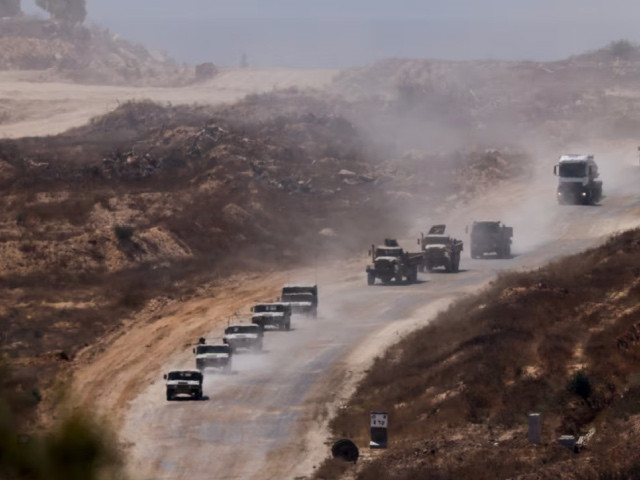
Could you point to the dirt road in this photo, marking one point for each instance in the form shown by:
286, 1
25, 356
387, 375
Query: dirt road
267, 420
35, 108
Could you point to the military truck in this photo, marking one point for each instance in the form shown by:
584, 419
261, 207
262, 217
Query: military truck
440, 250
490, 237
243, 336
391, 262
213, 356
276, 315
184, 382
577, 182
302, 298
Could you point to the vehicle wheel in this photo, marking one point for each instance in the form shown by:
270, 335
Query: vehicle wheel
455, 267
507, 251
288, 326
198, 395
169, 396
371, 279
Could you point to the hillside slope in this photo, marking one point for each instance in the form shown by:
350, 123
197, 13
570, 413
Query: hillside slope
561, 341
157, 201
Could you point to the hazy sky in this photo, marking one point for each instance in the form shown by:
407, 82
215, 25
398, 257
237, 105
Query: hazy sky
339, 33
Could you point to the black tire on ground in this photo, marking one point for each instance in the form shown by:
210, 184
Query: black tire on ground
346, 450
169, 396
371, 279
198, 395
456, 264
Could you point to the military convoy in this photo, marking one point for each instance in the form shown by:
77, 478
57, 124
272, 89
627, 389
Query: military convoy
302, 299
490, 237
577, 182
184, 382
440, 250
391, 262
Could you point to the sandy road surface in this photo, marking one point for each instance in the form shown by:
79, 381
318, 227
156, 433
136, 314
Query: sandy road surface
50, 108
267, 420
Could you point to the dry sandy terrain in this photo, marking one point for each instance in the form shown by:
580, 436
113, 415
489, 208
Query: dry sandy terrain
268, 419
35, 108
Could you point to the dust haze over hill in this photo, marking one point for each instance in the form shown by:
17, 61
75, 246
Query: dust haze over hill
329, 34
154, 203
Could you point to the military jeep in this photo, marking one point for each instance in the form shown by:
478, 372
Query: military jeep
184, 382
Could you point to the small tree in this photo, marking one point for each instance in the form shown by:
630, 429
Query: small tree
68, 11
621, 48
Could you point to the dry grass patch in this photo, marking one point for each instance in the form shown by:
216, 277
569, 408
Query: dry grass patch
561, 340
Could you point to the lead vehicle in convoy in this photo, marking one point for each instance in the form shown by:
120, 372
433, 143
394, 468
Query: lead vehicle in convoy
391, 262
577, 182
184, 382
213, 356
302, 298
440, 250
490, 237
276, 315
243, 336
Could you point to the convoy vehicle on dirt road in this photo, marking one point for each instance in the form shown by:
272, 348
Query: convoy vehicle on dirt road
213, 356
303, 299
276, 315
184, 382
440, 250
490, 237
243, 336
391, 262
577, 182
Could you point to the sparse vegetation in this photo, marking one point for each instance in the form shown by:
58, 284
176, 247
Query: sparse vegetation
621, 48
475, 373
123, 232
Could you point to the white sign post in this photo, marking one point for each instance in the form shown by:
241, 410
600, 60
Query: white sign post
379, 424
